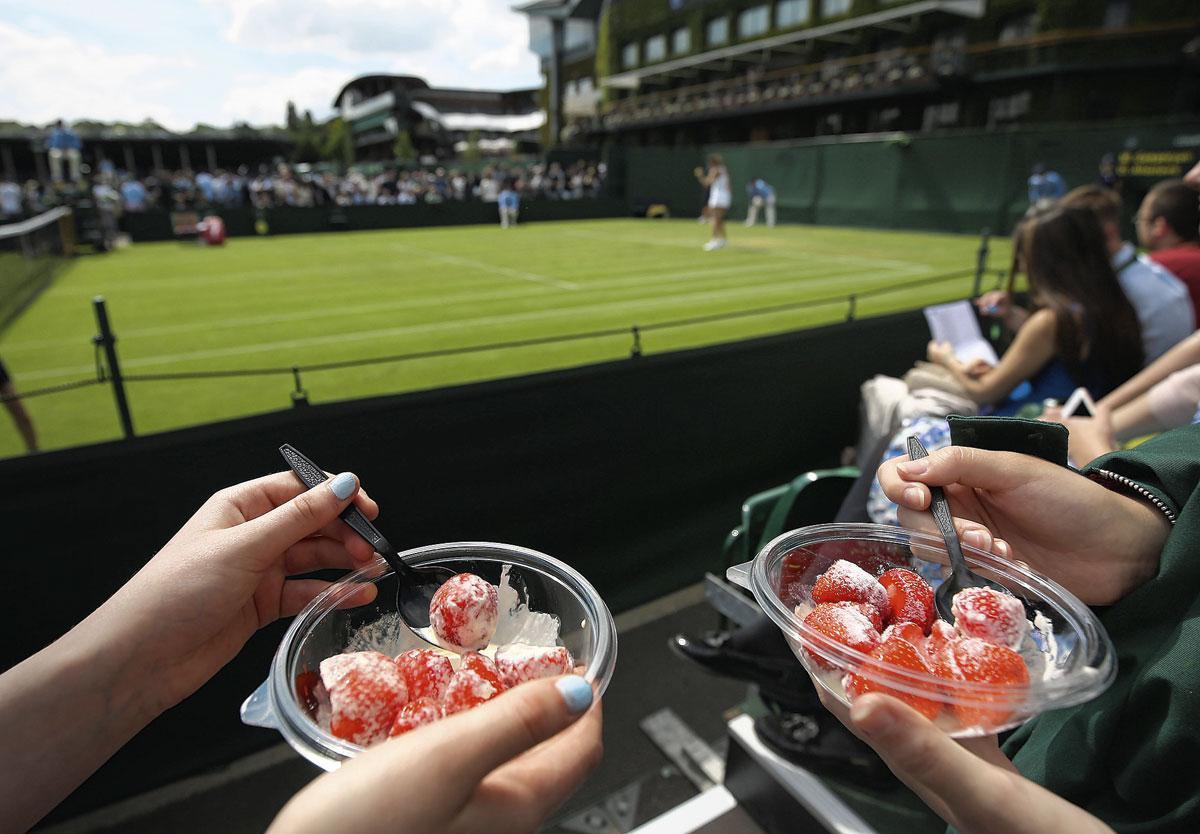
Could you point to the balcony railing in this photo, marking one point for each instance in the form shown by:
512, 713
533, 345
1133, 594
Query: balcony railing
897, 70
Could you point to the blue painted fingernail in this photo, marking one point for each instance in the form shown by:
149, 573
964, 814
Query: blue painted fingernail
576, 693
343, 485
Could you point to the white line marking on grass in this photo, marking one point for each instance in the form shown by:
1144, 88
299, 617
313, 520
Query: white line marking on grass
223, 323
770, 252
487, 267
640, 306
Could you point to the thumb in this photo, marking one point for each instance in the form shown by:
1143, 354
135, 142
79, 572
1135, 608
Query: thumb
976, 468
482, 739
304, 515
923, 755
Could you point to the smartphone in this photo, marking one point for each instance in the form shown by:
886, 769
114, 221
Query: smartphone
1079, 404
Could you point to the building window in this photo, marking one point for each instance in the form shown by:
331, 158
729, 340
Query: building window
1117, 14
940, 115
754, 21
1018, 28
681, 41
717, 31
656, 48
833, 8
629, 56
791, 13
1009, 108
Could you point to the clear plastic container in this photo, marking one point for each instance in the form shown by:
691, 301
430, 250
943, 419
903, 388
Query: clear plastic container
1078, 657
328, 627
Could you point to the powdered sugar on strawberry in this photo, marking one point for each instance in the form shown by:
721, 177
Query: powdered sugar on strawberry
519, 662
847, 582
464, 611
365, 690
991, 616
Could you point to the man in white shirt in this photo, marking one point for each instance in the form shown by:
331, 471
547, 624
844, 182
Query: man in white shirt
1163, 305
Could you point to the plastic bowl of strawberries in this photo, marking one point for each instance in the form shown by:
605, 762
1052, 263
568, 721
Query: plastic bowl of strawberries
855, 603
349, 675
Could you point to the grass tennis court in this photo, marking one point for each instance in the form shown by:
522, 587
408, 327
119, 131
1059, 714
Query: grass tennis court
302, 300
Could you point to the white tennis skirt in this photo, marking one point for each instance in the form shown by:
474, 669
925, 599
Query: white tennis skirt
719, 199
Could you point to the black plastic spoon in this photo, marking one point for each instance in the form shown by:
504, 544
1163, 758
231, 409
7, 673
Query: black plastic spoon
961, 576
415, 586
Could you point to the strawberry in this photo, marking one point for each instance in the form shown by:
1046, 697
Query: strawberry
796, 569
483, 666
414, 714
519, 663
906, 631
939, 650
464, 611
890, 659
467, 689
978, 661
844, 624
365, 691
847, 582
990, 615
909, 597
426, 673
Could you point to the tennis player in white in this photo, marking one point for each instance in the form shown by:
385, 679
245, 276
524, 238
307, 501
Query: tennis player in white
720, 195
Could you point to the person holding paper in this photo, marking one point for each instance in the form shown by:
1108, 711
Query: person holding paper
1082, 331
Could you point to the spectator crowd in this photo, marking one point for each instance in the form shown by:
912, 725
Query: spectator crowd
283, 185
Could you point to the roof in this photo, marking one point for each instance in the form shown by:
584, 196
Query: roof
410, 82
560, 8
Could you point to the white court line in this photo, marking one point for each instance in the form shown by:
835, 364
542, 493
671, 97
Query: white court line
14, 348
486, 267
864, 259
642, 305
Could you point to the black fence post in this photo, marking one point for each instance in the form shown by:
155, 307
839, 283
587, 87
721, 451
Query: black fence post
636, 350
299, 395
108, 341
981, 259
853, 310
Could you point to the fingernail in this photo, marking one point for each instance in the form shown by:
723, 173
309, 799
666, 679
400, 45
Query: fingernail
912, 496
976, 538
1006, 551
913, 467
576, 693
343, 485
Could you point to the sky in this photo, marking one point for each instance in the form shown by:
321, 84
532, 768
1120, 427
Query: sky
180, 62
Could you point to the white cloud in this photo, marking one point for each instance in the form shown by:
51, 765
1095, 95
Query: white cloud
259, 99
476, 43
242, 60
48, 75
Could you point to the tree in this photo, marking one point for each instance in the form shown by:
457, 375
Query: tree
403, 149
338, 145
472, 153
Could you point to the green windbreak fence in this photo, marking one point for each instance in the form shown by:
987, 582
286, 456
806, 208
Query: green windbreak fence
960, 182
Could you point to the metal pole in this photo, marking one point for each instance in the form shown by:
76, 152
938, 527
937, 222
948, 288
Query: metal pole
636, 350
107, 340
853, 311
981, 259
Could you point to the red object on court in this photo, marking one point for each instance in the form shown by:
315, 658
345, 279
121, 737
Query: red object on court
212, 230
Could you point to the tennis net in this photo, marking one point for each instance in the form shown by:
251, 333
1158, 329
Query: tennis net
30, 254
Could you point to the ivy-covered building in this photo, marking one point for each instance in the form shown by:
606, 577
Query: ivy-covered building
680, 72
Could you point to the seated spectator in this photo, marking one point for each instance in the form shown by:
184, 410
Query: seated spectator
1161, 300
10, 201
133, 195
1168, 225
1082, 332
1164, 395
